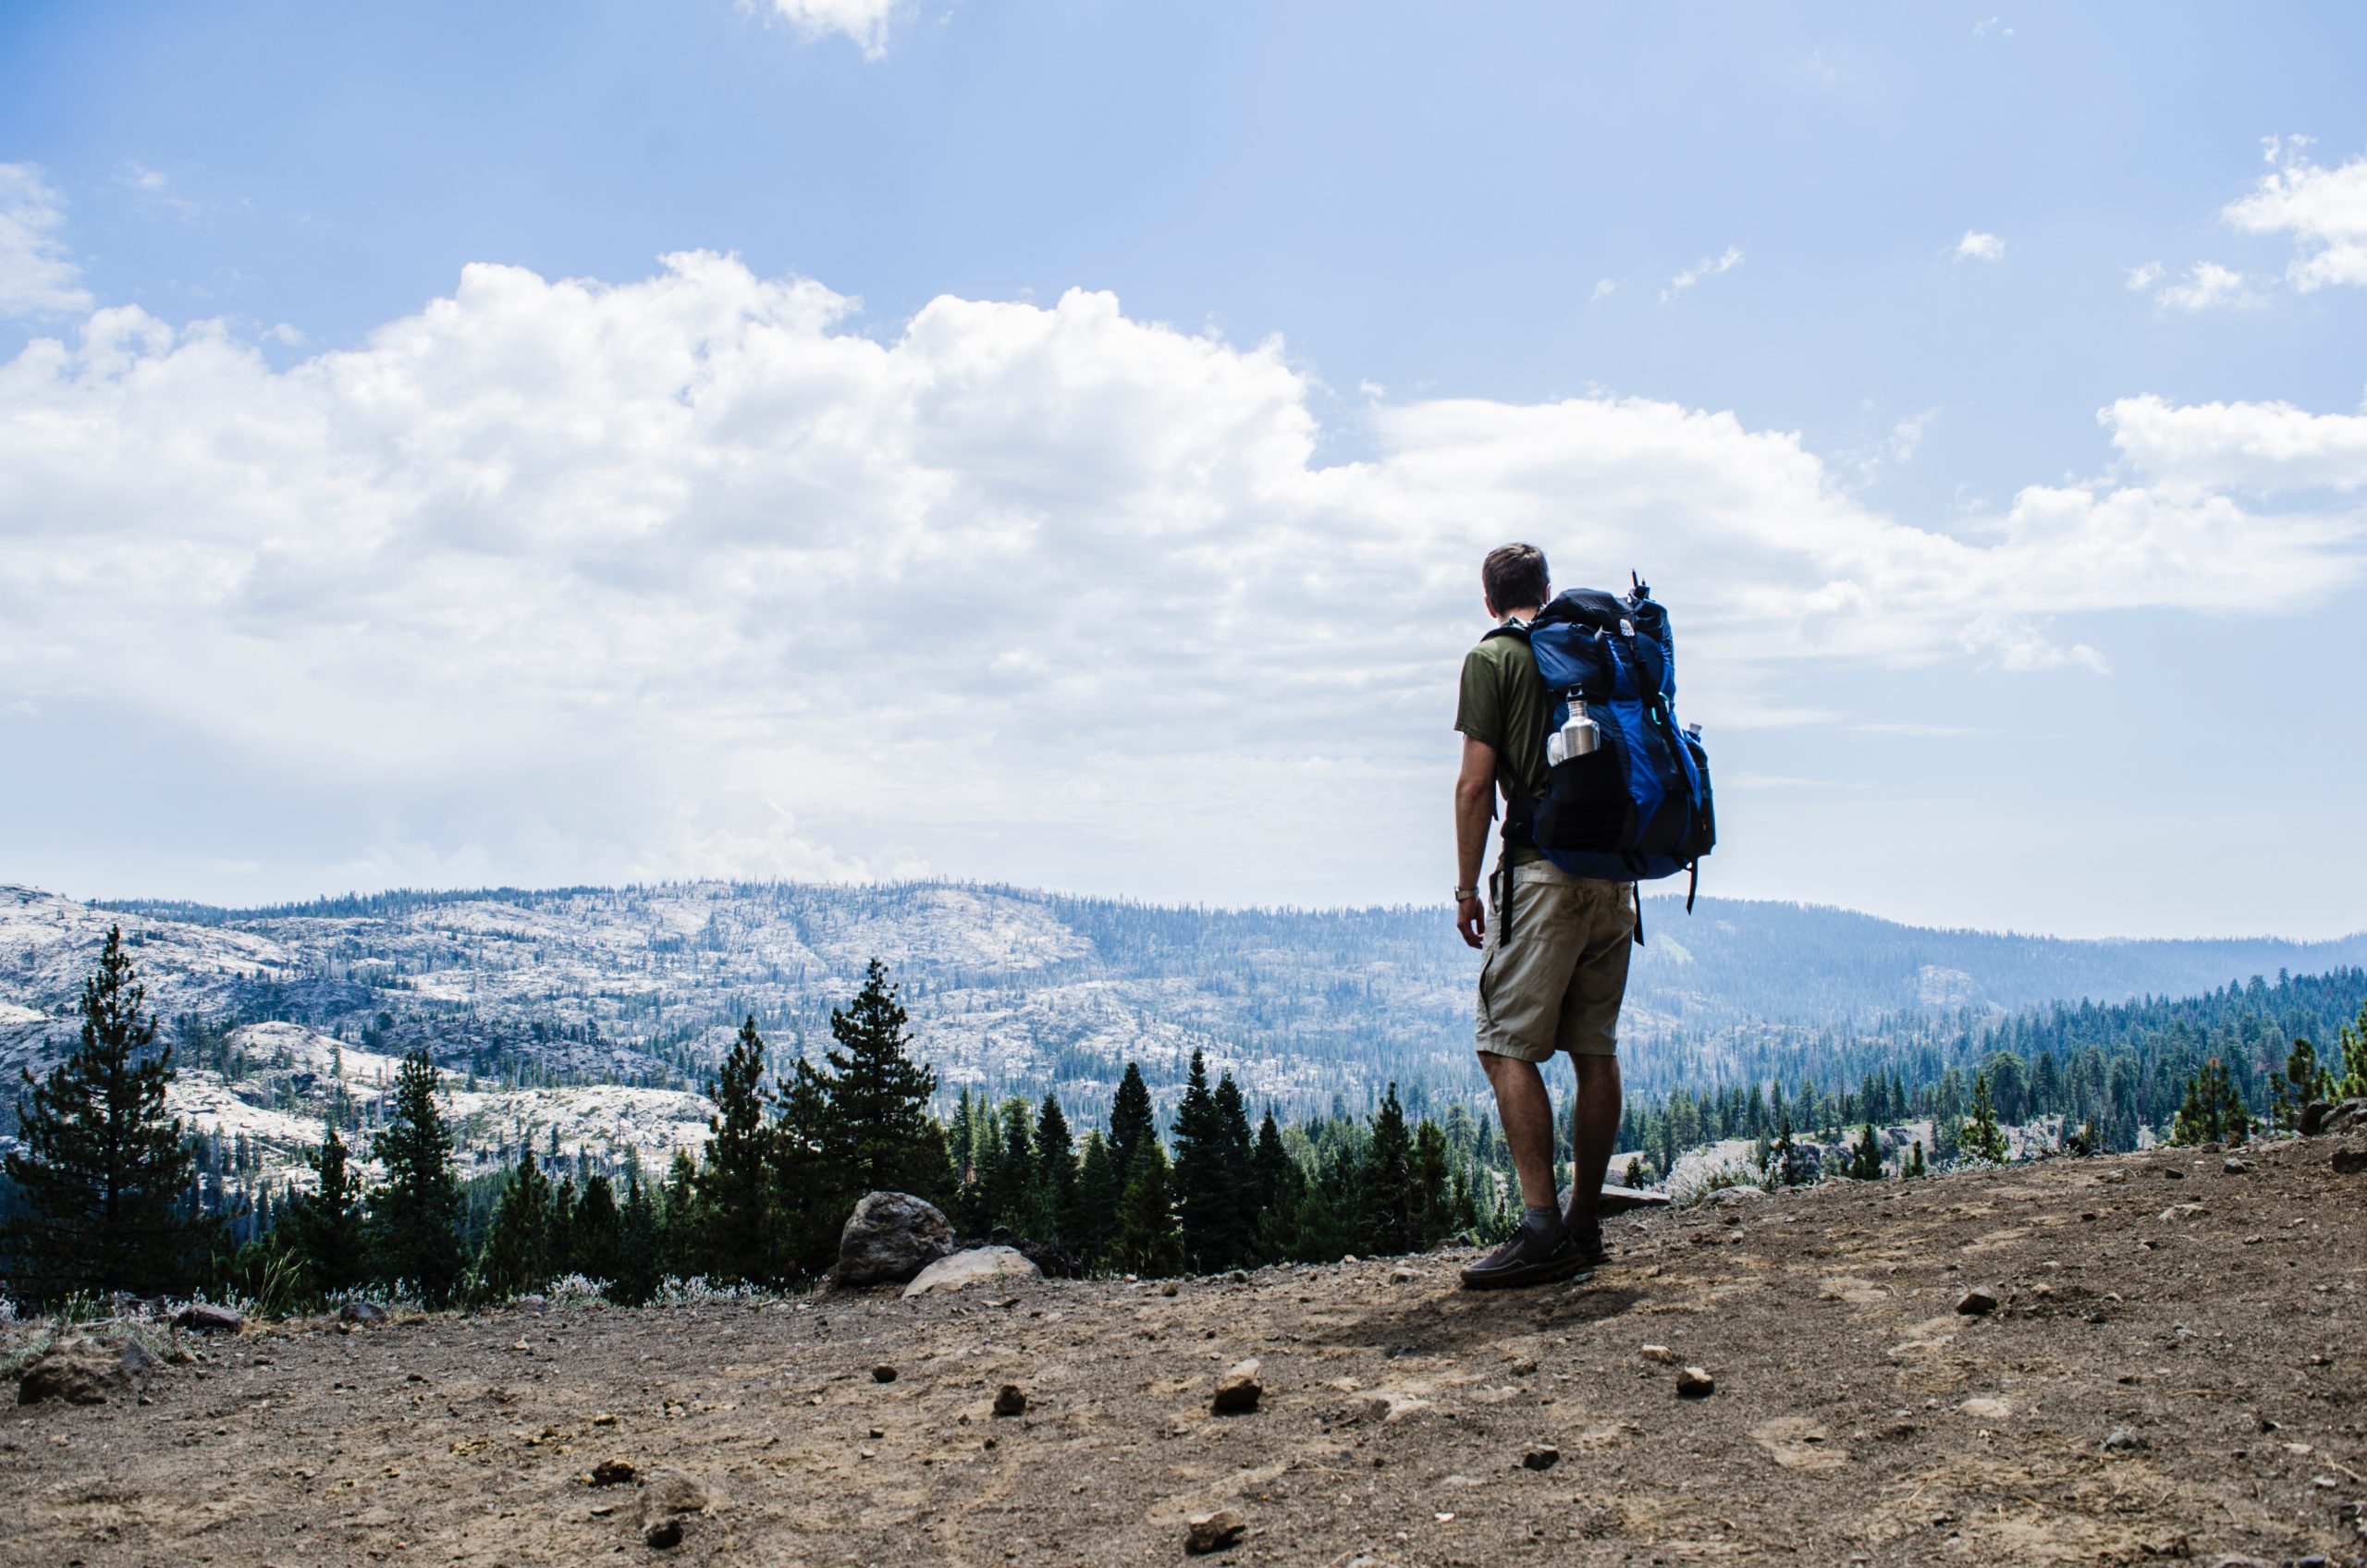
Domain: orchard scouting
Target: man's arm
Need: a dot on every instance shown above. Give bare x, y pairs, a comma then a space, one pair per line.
1474, 807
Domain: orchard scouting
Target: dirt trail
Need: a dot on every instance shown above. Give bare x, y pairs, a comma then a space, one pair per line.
1858, 1416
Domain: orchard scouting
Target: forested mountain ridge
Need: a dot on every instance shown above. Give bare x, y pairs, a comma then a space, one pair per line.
1012, 991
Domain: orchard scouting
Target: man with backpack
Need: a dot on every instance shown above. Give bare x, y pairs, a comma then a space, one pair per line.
1554, 946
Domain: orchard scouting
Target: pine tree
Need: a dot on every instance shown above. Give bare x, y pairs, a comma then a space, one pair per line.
596, 1242
1239, 1234
322, 1230
1982, 1139
1434, 1200
1131, 1125
1146, 1241
414, 1230
516, 1260
2214, 1112
1200, 1178
1866, 1159
1913, 1165
681, 1227
1014, 1184
879, 1097
640, 1245
560, 1238
1783, 1159
1097, 1200
1277, 1184
1056, 1173
2302, 1081
105, 1174
734, 1185
1391, 1201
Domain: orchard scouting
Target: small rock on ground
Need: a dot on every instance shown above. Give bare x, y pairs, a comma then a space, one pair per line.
1695, 1383
1238, 1390
1213, 1532
2123, 1440
85, 1371
205, 1318
1010, 1400
1977, 1301
1540, 1456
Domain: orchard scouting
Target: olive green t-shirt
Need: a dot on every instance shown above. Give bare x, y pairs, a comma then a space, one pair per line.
1503, 703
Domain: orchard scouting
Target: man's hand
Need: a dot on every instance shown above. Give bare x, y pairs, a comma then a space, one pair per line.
1471, 919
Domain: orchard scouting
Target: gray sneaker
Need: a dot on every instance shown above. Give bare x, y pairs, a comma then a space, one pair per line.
1527, 1259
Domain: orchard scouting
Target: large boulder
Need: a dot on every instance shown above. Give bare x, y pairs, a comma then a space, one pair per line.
86, 1371
979, 1265
889, 1238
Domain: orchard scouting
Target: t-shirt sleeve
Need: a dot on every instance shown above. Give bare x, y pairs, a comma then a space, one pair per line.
1479, 705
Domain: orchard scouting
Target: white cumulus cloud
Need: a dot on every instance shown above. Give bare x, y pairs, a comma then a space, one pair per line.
2323, 209
869, 23
2207, 286
1977, 246
2266, 446
37, 274
578, 580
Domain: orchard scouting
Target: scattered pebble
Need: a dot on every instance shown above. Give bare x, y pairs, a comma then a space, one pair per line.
1694, 1383
883, 1373
2123, 1440
1213, 1532
1660, 1354
1010, 1400
1977, 1302
612, 1473
1540, 1456
1238, 1390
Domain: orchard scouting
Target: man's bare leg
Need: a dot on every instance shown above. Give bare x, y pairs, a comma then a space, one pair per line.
1526, 1112
1594, 1130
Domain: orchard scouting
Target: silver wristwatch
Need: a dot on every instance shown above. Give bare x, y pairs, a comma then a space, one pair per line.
1463, 893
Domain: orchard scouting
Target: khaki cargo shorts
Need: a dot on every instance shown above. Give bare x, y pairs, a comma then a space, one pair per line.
1557, 986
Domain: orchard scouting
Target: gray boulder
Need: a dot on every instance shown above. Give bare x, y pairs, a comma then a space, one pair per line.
978, 1265
889, 1238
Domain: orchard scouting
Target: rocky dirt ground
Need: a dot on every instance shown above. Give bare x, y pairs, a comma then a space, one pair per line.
2174, 1369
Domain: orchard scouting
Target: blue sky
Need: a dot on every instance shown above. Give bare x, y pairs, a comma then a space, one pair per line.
1062, 453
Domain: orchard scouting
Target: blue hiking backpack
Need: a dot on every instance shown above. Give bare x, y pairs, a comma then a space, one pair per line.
1637, 807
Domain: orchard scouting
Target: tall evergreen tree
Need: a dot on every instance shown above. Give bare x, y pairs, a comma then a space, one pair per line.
414, 1232
1147, 1241
1391, 1201
106, 1175
517, 1257
1276, 1182
1097, 1200
682, 1220
595, 1241
879, 1097
734, 1180
1014, 1173
1056, 1171
323, 1228
1131, 1125
1200, 1180
1239, 1235
640, 1245
1434, 1199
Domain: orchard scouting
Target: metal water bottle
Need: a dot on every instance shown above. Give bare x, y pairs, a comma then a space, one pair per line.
1578, 737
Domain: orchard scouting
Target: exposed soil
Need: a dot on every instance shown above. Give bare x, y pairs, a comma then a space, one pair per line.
1858, 1416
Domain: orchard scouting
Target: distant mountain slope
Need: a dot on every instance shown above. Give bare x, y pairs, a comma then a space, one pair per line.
1017, 991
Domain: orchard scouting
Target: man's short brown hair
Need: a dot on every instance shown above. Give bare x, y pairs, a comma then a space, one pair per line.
1513, 578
